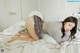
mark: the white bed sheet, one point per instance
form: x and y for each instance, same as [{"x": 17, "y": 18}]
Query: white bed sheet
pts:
[{"x": 45, "y": 45}]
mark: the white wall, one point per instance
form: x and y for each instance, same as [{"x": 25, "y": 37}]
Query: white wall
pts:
[
  {"x": 73, "y": 7},
  {"x": 13, "y": 11},
  {"x": 28, "y": 6},
  {"x": 2, "y": 14},
  {"x": 54, "y": 10},
  {"x": 10, "y": 13},
  {"x": 50, "y": 9}
]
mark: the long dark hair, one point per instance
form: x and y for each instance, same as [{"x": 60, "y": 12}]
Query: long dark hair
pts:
[{"x": 74, "y": 30}]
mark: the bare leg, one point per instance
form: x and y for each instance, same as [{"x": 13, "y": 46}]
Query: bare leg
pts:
[
  {"x": 26, "y": 37},
  {"x": 15, "y": 37},
  {"x": 19, "y": 36},
  {"x": 29, "y": 37}
]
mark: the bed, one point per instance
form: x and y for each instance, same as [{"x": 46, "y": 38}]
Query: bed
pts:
[{"x": 45, "y": 45}]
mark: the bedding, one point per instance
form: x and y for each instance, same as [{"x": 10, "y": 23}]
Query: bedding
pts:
[{"x": 45, "y": 45}]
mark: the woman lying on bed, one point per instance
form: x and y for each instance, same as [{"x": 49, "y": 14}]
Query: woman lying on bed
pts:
[{"x": 35, "y": 26}]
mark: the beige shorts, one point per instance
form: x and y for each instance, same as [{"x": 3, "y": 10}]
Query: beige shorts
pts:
[{"x": 36, "y": 22}]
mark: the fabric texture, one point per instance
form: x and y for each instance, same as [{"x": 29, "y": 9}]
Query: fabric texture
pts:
[
  {"x": 38, "y": 25},
  {"x": 45, "y": 45},
  {"x": 54, "y": 30}
]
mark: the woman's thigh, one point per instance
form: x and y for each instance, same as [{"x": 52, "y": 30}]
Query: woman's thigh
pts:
[
  {"x": 26, "y": 37},
  {"x": 29, "y": 24}
]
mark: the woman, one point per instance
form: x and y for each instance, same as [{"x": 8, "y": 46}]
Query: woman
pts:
[{"x": 35, "y": 26}]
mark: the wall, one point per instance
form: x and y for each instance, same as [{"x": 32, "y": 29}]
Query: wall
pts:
[
  {"x": 73, "y": 7},
  {"x": 13, "y": 11},
  {"x": 56, "y": 10},
  {"x": 28, "y": 6},
  {"x": 2, "y": 14}
]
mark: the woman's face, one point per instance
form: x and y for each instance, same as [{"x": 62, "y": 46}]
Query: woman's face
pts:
[{"x": 69, "y": 26}]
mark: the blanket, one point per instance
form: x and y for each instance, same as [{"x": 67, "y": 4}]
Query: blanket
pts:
[{"x": 45, "y": 45}]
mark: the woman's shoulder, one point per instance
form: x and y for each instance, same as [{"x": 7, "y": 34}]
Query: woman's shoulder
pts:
[
  {"x": 52, "y": 26},
  {"x": 53, "y": 22}
]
